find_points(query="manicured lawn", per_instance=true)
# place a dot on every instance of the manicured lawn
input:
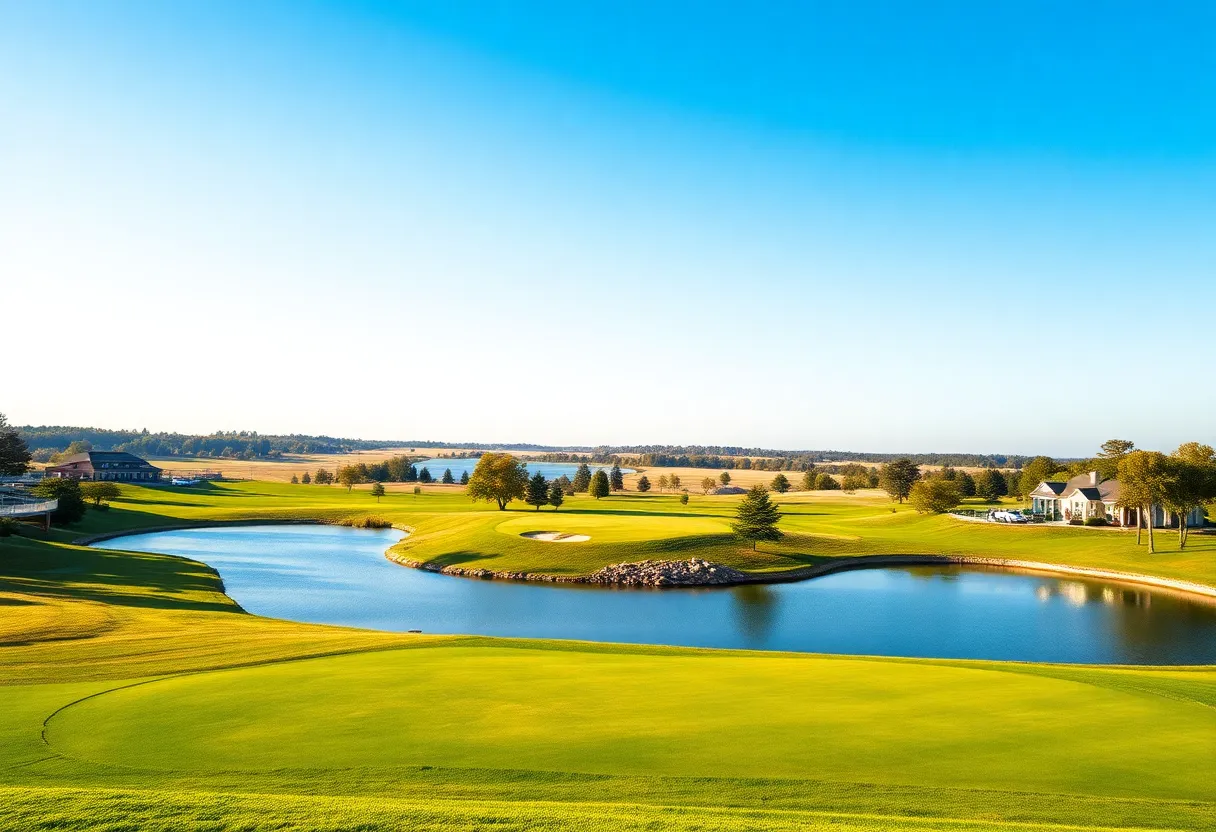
(450, 530)
(134, 694)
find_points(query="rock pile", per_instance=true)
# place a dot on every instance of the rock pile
(694, 572)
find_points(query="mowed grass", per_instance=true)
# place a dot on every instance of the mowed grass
(134, 694)
(447, 529)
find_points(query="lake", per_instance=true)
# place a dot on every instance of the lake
(339, 575)
(551, 470)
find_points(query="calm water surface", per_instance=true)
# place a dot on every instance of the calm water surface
(336, 575)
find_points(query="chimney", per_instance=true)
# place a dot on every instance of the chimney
(1093, 478)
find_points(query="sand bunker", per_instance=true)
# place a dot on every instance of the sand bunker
(556, 537)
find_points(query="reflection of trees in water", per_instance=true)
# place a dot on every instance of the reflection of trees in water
(756, 609)
(1147, 626)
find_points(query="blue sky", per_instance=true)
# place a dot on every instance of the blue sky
(884, 226)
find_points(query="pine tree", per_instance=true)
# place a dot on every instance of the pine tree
(538, 491)
(809, 479)
(306, 478)
(448, 479)
(464, 477)
(757, 516)
(599, 485)
(643, 484)
(378, 490)
(582, 478)
(424, 476)
(294, 479)
(616, 479)
(557, 494)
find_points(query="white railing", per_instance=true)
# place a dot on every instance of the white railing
(28, 509)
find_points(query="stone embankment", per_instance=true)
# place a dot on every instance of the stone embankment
(692, 572)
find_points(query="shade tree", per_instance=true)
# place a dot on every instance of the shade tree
(780, 484)
(934, 495)
(498, 478)
(896, 478)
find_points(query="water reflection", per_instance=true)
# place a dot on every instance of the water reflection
(756, 611)
(337, 575)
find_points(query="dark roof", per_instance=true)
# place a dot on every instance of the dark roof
(1057, 487)
(120, 459)
(1090, 493)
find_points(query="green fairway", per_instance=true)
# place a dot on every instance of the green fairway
(447, 529)
(135, 694)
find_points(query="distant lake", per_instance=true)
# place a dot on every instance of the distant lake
(338, 575)
(551, 470)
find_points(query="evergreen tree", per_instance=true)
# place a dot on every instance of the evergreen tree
(966, 484)
(424, 476)
(809, 478)
(643, 484)
(411, 474)
(757, 516)
(990, 484)
(464, 477)
(14, 455)
(582, 478)
(378, 490)
(538, 491)
(294, 479)
(600, 486)
(566, 486)
(306, 478)
(616, 479)
(557, 494)
(448, 479)
(781, 483)
(684, 499)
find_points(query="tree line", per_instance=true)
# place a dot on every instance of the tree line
(47, 440)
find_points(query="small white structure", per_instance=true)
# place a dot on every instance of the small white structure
(1088, 496)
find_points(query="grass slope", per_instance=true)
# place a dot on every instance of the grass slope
(134, 694)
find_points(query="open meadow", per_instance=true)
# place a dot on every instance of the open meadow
(134, 693)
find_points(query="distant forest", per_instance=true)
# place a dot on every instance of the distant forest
(222, 444)
(49, 439)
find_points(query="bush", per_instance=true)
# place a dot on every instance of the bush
(369, 522)
(8, 526)
(1096, 521)
(1075, 523)
(67, 491)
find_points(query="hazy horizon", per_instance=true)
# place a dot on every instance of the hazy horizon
(830, 225)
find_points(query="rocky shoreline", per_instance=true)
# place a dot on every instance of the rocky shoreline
(691, 572)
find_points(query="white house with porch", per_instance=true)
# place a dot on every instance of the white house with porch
(1088, 496)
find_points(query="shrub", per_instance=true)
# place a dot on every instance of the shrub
(369, 522)
(1096, 521)
(8, 526)
(1075, 523)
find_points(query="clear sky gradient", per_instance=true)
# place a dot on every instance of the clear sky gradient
(874, 226)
